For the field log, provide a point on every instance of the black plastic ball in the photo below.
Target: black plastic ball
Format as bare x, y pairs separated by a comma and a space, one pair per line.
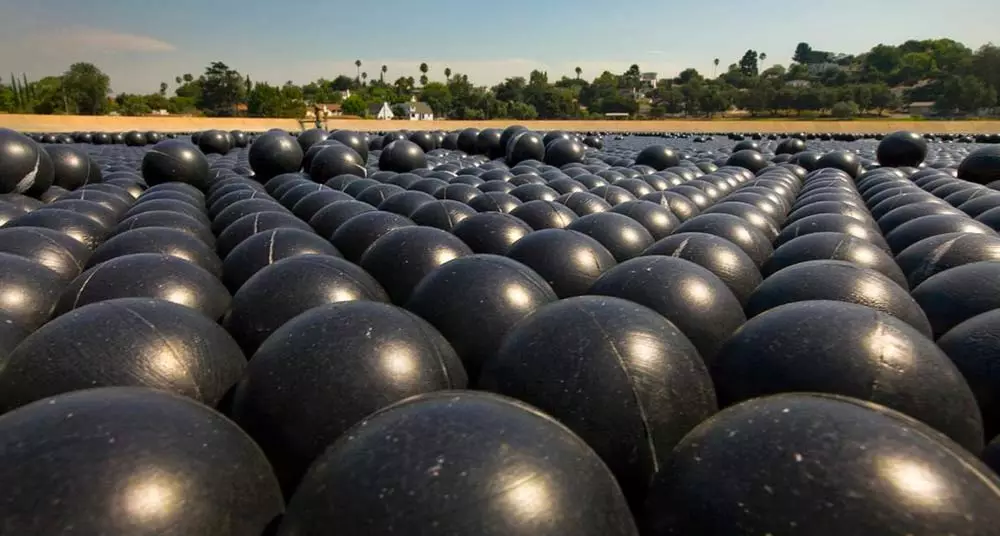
864, 459
608, 346
51, 249
958, 294
734, 229
523, 146
658, 157
78, 226
851, 350
902, 149
124, 342
842, 160
491, 232
402, 156
563, 151
263, 249
23, 167
297, 397
624, 237
28, 290
460, 447
175, 161
148, 275
354, 236
336, 160
214, 142
163, 218
982, 166
160, 240
293, 286
132, 460
717, 255
923, 227
72, 167
834, 246
569, 261
401, 258
274, 153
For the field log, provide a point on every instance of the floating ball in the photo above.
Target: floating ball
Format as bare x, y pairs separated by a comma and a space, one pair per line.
72, 167
902, 149
710, 487
290, 287
356, 235
402, 257
734, 229
938, 253
402, 156
958, 294
563, 151
971, 346
717, 255
28, 289
658, 157
624, 237
132, 460
837, 280
491, 232
608, 346
982, 166
124, 342
172, 220
923, 227
521, 471
835, 247
22, 166
336, 160
214, 142
475, 301
691, 297
297, 397
148, 275
569, 261
54, 250
175, 161
274, 153
263, 249
159, 240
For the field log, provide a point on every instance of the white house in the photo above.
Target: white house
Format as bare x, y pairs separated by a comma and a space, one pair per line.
380, 111
416, 111
648, 80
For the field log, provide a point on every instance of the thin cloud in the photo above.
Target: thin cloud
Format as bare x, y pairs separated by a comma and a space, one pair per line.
103, 40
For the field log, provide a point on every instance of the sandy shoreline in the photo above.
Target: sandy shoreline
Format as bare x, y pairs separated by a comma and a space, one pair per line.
64, 123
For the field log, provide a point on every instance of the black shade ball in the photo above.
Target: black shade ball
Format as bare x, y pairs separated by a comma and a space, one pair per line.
160, 240
658, 157
736, 230
28, 290
460, 447
291, 287
491, 232
973, 346
851, 350
862, 457
717, 255
475, 301
353, 237
274, 153
298, 397
982, 166
902, 149
265, 248
402, 156
72, 167
401, 258
148, 275
22, 165
175, 161
608, 346
837, 280
836, 247
132, 460
691, 297
958, 294
134, 342
569, 261
624, 237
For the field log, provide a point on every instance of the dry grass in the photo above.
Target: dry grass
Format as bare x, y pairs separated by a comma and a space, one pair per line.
63, 123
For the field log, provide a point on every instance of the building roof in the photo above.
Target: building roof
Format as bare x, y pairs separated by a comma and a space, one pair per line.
922, 104
421, 108
332, 107
375, 108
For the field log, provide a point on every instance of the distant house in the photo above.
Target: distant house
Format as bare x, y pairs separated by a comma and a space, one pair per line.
380, 111
799, 83
416, 111
922, 108
325, 110
817, 69
648, 80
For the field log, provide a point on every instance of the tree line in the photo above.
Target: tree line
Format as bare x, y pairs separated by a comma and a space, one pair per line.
958, 80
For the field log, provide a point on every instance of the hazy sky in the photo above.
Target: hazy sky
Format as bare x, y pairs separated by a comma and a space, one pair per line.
140, 43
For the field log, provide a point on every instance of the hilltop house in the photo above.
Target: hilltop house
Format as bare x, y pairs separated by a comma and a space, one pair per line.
648, 80
325, 110
416, 111
380, 111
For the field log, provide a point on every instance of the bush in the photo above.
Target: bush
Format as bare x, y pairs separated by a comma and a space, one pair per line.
844, 110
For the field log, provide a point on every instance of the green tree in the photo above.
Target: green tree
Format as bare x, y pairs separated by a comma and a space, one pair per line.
715, 70
438, 97
748, 64
965, 95
222, 89
87, 87
364, 78
844, 110
354, 105
715, 99
357, 63
447, 74
985, 64
511, 89
343, 83
687, 76
522, 111
883, 98
134, 105
803, 53
423, 74
381, 77
188, 78
579, 72
862, 95
6, 98
178, 80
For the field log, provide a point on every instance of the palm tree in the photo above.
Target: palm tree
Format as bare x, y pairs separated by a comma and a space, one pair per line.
364, 76
447, 73
716, 70
381, 77
579, 71
178, 80
423, 78
357, 63
763, 57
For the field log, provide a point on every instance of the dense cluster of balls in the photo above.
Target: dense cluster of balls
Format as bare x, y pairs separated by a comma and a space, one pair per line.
499, 332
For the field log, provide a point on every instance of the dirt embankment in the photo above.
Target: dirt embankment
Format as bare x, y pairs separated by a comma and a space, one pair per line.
70, 123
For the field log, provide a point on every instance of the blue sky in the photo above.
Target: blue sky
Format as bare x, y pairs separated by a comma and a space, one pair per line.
142, 42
